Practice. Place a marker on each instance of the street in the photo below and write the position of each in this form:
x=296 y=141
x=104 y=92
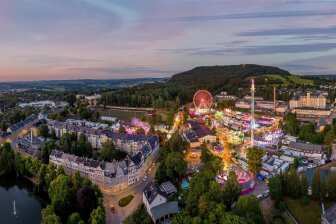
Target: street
x=113 y=198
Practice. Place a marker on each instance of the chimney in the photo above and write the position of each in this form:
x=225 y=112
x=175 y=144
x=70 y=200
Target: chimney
x=274 y=98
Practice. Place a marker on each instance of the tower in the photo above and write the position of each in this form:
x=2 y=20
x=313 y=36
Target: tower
x=252 y=112
x=274 y=97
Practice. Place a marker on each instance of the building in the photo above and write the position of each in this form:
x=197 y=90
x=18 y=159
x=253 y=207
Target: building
x=108 y=118
x=281 y=107
x=223 y=96
x=308 y=100
x=29 y=145
x=39 y=104
x=92 y=100
x=130 y=143
x=168 y=188
x=157 y=205
x=31 y=120
x=310 y=151
x=202 y=132
x=192 y=139
x=311 y=112
x=243 y=104
x=114 y=176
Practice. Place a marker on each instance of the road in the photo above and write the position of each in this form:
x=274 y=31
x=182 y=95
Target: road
x=113 y=198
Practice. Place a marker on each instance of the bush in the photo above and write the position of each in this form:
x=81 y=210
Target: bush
x=282 y=206
x=125 y=200
x=304 y=200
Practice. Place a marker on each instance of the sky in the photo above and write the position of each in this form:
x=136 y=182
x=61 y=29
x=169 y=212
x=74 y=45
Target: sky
x=112 y=39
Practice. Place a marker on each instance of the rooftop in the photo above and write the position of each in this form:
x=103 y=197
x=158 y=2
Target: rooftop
x=165 y=209
x=306 y=146
x=151 y=191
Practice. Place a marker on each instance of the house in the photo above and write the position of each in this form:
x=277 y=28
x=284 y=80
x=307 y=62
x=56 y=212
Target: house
x=203 y=133
x=157 y=205
x=153 y=196
x=168 y=187
x=311 y=151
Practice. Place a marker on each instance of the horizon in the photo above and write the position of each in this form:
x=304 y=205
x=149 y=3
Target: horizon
x=105 y=40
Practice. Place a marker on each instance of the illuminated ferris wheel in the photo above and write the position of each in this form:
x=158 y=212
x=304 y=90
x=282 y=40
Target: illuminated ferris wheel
x=202 y=100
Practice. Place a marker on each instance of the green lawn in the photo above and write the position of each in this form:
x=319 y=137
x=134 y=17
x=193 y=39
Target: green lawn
x=309 y=214
x=125 y=200
x=298 y=80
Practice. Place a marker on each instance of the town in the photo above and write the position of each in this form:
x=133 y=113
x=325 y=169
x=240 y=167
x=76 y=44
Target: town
x=150 y=167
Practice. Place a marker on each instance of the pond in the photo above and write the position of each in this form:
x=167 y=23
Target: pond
x=18 y=203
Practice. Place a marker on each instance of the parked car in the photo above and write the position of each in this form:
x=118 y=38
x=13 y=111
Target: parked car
x=144 y=178
x=304 y=161
x=310 y=166
x=266 y=193
x=112 y=209
x=314 y=165
x=259 y=196
x=299 y=169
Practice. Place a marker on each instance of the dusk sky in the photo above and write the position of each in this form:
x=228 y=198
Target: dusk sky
x=108 y=39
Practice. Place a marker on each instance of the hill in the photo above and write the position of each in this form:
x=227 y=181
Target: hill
x=179 y=89
x=217 y=76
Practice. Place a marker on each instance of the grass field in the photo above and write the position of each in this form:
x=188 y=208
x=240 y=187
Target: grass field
x=126 y=200
x=309 y=214
x=122 y=115
x=292 y=79
x=298 y=80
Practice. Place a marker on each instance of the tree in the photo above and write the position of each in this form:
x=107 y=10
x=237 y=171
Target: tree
x=316 y=184
x=122 y=129
x=60 y=195
x=232 y=190
x=323 y=186
x=75 y=218
x=331 y=186
x=175 y=166
x=97 y=216
x=254 y=156
x=296 y=162
x=291 y=124
x=43 y=130
x=86 y=201
x=248 y=208
x=304 y=184
x=139 y=216
x=109 y=152
x=7 y=163
x=275 y=187
x=49 y=216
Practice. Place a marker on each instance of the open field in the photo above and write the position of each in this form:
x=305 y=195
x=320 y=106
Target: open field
x=298 y=80
x=292 y=79
x=308 y=214
x=122 y=115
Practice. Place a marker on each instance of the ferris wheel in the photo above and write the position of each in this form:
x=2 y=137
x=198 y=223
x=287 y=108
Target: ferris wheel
x=202 y=100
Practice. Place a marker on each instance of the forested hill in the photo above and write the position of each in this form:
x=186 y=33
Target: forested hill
x=179 y=89
x=213 y=76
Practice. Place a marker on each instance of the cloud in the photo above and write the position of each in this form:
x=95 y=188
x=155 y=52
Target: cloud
x=304 y=31
x=128 y=70
x=255 y=15
x=53 y=59
x=256 y=50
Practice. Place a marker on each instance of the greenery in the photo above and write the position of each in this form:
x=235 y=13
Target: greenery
x=181 y=87
x=275 y=188
x=248 y=207
x=253 y=156
x=109 y=152
x=139 y=216
x=125 y=200
x=291 y=124
x=67 y=194
x=172 y=165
